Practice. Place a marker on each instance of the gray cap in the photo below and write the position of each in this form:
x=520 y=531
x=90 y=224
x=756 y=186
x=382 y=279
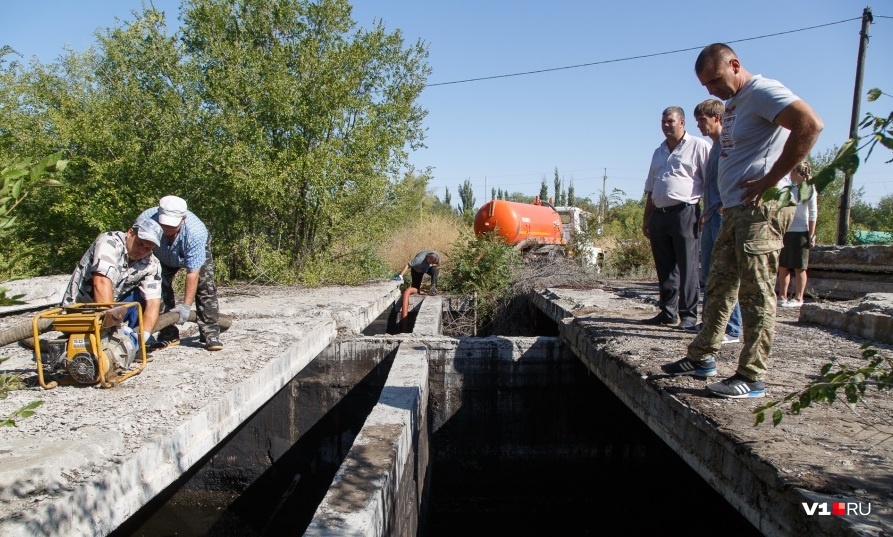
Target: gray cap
x=149 y=230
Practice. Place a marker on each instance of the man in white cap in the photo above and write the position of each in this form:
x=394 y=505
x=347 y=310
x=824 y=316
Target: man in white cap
x=186 y=243
x=119 y=267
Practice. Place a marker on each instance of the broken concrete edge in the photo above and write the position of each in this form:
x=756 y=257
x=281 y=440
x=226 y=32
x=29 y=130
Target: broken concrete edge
x=869 y=318
x=862 y=258
x=357 y=319
x=748 y=482
x=155 y=466
x=388 y=455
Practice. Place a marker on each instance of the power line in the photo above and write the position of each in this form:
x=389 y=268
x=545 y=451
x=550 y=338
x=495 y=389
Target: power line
x=630 y=58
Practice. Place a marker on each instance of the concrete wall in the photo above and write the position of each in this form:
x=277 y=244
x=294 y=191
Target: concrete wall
x=733 y=468
x=294 y=410
x=848 y=272
x=379 y=488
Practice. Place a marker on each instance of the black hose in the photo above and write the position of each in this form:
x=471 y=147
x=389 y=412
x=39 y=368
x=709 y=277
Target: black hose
x=24 y=332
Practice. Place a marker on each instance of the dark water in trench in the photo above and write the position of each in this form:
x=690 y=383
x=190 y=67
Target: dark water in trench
x=602 y=472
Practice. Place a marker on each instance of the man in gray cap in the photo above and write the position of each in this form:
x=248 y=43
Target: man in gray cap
x=119 y=267
x=186 y=243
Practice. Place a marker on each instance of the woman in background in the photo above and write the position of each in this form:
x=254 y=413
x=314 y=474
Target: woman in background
x=798 y=239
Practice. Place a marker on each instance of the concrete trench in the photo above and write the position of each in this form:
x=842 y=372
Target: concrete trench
x=415 y=393
x=501 y=410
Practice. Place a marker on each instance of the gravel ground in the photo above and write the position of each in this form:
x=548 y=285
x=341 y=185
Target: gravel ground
x=829 y=449
x=845 y=453
x=81 y=431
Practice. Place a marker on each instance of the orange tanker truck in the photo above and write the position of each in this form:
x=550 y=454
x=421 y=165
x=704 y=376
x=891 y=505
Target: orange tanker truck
x=537 y=228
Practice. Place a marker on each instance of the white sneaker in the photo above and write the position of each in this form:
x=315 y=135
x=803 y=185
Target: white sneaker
x=791 y=303
x=783 y=303
x=726 y=338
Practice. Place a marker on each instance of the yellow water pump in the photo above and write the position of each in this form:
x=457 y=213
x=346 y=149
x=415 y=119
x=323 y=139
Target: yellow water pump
x=97 y=346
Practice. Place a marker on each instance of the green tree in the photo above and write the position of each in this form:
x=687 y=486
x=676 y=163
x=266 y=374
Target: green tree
x=280 y=122
x=519 y=197
x=571 y=198
x=326 y=155
x=483 y=266
x=623 y=220
x=466 y=197
x=557 y=181
x=884 y=214
x=447 y=199
x=410 y=198
x=18 y=179
x=544 y=190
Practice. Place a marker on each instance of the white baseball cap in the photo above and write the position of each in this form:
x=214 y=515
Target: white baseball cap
x=171 y=210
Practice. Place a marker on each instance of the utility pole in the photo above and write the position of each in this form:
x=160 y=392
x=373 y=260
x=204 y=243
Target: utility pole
x=843 y=214
x=604 y=203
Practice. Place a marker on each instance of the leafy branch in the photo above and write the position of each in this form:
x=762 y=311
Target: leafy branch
x=17 y=179
x=847 y=158
x=8 y=383
x=878 y=371
x=25 y=412
x=854 y=381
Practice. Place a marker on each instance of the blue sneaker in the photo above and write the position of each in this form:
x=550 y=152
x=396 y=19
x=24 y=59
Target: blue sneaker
x=738 y=387
x=686 y=366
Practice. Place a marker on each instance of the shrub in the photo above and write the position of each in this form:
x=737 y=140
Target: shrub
x=630 y=258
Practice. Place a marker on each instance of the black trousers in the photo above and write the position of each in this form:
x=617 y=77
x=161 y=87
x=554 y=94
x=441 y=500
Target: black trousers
x=674 y=244
x=417 y=277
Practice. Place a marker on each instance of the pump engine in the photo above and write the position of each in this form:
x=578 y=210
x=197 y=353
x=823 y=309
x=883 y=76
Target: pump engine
x=96 y=346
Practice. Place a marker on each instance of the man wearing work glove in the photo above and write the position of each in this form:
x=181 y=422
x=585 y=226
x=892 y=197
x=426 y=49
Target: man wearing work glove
x=186 y=244
x=119 y=267
x=425 y=262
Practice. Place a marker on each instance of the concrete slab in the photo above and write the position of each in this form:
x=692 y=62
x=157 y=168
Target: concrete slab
x=90 y=457
x=766 y=473
x=378 y=489
x=849 y=272
x=38 y=293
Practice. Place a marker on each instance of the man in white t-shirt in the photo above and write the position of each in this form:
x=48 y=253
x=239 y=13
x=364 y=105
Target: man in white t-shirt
x=767 y=130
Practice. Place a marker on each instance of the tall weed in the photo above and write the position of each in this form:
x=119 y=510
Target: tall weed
x=430 y=232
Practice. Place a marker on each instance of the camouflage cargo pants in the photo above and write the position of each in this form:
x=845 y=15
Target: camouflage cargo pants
x=743 y=269
x=207 y=309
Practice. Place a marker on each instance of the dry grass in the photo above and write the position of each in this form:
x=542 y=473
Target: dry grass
x=431 y=232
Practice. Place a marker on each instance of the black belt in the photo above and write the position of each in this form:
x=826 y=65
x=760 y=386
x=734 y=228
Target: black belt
x=672 y=208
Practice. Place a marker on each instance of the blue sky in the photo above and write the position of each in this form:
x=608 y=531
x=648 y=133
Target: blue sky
x=588 y=122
